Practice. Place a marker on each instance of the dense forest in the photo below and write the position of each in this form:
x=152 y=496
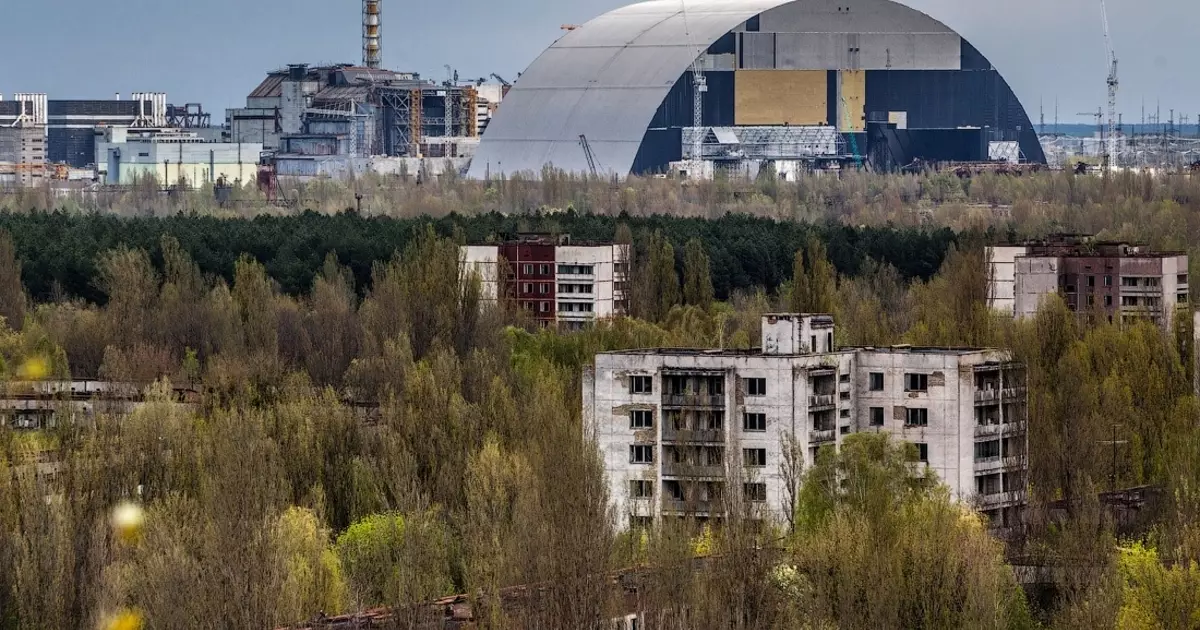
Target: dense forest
x=369 y=434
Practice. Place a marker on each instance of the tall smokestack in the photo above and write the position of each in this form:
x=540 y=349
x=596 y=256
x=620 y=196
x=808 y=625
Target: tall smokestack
x=373 y=33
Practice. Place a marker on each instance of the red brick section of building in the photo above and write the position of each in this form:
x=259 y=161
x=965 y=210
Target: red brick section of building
x=532 y=278
x=1101 y=276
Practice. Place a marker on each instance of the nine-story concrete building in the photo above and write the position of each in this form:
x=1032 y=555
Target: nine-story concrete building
x=694 y=432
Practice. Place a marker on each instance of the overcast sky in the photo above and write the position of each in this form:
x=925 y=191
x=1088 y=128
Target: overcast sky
x=215 y=51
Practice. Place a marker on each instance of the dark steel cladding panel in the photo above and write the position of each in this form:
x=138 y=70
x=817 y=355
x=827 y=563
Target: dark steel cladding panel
x=659 y=148
x=94 y=108
x=972 y=59
x=9 y=108
x=676 y=109
x=948 y=99
x=75 y=147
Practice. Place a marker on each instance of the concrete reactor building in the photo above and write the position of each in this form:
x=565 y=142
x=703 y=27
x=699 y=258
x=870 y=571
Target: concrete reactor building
x=738 y=84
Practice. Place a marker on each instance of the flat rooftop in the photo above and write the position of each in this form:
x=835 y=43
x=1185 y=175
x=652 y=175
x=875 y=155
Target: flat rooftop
x=757 y=352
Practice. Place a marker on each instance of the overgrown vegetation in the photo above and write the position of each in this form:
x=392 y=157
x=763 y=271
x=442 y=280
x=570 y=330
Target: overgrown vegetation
x=369 y=434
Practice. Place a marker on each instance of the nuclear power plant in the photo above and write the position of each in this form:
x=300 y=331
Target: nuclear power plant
x=683 y=88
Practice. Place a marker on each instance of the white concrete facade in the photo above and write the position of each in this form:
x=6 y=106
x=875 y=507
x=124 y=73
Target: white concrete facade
x=1002 y=277
x=673 y=426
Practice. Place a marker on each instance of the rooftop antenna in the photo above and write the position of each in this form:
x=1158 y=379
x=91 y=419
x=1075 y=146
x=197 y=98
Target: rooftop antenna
x=372 y=14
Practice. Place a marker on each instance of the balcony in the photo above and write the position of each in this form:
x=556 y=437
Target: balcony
x=998 y=464
x=822 y=436
x=703 y=401
x=672 y=506
x=1001 y=499
x=993 y=396
x=986 y=396
x=823 y=401
x=694 y=471
x=993 y=430
x=690 y=436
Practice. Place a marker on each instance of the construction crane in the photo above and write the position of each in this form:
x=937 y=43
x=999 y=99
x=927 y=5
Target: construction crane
x=699 y=87
x=501 y=79
x=1110 y=58
x=587 y=152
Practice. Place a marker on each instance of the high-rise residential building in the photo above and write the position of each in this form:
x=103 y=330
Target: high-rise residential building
x=1119 y=280
x=558 y=282
x=694 y=432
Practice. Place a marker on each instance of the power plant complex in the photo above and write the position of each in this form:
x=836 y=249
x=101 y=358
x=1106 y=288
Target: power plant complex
x=711 y=83
x=687 y=88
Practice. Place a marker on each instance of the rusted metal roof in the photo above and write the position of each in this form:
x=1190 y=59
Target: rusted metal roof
x=271 y=87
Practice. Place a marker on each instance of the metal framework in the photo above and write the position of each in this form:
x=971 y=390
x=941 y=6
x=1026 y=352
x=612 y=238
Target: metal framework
x=765 y=143
x=190 y=116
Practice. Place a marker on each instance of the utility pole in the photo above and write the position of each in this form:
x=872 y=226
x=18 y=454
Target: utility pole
x=1114 y=442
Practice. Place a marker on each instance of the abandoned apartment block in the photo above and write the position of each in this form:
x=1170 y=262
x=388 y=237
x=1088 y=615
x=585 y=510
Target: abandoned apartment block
x=559 y=283
x=694 y=432
x=1122 y=281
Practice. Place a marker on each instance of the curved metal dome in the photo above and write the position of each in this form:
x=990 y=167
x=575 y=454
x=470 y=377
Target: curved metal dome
x=607 y=79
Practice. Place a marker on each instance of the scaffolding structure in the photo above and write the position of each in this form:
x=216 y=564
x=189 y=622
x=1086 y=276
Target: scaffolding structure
x=804 y=143
x=410 y=115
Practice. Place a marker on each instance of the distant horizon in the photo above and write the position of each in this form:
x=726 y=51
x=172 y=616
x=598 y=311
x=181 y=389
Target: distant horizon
x=196 y=52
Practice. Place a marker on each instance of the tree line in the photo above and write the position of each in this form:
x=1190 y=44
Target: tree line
x=387 y=442
x=60 y=250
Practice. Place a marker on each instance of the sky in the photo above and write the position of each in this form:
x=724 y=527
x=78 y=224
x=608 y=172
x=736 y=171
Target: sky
x=216 y=51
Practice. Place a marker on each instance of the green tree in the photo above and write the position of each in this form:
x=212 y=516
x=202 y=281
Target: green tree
x=814 y=280
x=392 y=559
x=697 y=275
x=882 y=546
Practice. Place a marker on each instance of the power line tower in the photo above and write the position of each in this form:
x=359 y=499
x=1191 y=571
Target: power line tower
x=1110 y=150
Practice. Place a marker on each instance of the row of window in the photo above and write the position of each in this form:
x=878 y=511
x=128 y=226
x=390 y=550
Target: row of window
x=543 y=269
x=569 y=289
x=755 y=492
x=751 y=457
x=757 y=422
x=572 y=307
x=913 y=382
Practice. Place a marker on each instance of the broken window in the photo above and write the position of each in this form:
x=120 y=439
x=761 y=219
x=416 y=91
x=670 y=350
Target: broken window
x=641 y=454
x=640 y=489
x=916 y=382
x=641 y=419
x=754 y=422
x=756 y=492
x=643 y=384
x=917 y=417
x=756 y=387
x=876 y=381
x=755 y=457
x=876 y=416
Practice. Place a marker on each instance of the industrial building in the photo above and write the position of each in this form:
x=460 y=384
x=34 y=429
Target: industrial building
x=737 y=84
x=693 y=432
x=1123 y=281
x=124 y=155
x=570 y=285
x=326 y=120
x=23 y=141
x=70 y=125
